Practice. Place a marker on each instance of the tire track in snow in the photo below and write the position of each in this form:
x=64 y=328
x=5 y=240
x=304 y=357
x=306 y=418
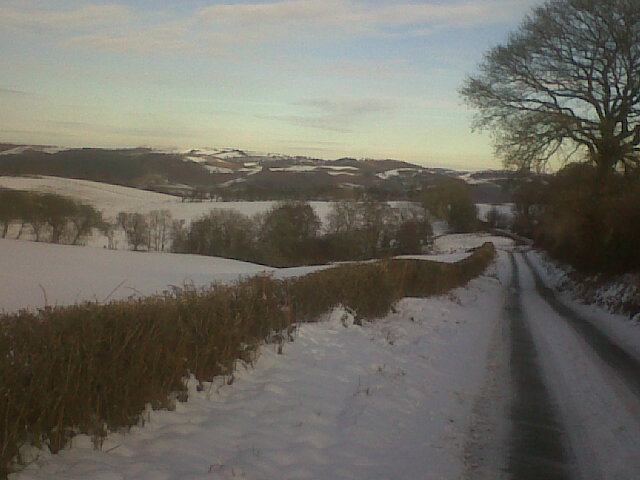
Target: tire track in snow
x=537 y=445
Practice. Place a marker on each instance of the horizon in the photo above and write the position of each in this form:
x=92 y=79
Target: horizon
x=338 y=78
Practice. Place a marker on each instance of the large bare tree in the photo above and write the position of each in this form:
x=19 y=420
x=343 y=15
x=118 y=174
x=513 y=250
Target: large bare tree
x=566 y=83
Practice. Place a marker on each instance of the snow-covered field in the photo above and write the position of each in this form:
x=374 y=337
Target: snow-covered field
x=35 y=274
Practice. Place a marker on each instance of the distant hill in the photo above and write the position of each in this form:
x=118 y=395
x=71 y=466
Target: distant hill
x=237 y=174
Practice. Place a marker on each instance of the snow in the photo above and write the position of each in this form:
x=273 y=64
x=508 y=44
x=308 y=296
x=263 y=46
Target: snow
x=39 y=148
x=37 y=274
x=329 y=169
x=109 y=198
x=30 y=273
x=444 y=257
x=195 y=159
x=251 y=170
x=391 y=399
x=468 y=177
x=210 y=168
x=112 y=199
x=295 y=168
x=340 y=167
x=223 y=153
x=466 y=241
x=214 y=169
x=394 y=173
x=505 y=209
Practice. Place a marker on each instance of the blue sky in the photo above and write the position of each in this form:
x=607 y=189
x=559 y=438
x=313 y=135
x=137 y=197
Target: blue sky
x=325 y=78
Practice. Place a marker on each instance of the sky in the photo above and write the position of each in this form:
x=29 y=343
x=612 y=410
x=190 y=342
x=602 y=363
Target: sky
x=321 y=78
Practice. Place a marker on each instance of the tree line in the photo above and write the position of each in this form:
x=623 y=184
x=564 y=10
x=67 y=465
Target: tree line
x=290 y=233
x=49 y=217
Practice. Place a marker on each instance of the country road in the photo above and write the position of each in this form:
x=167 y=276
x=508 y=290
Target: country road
x=575 y=392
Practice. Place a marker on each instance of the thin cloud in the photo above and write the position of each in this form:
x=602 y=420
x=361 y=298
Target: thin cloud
x=10 y=93
x=224 y=29
x=164 y=39
x=326 y=123
x=13 y=93
x=89 y=16
x=337 y=115
x=350 y=108
x=416 y=18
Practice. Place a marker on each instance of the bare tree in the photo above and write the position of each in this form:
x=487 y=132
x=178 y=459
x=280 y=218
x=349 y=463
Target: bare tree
x=566 y=83
x=159 y=229
x=84 y=219
x=136 y=228
x=344 y=217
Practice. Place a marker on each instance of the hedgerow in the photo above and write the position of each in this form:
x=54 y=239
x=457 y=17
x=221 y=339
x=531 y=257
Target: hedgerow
x=95 y=368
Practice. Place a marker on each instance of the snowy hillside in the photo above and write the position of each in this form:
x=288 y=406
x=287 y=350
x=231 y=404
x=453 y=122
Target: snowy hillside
x=112 y=199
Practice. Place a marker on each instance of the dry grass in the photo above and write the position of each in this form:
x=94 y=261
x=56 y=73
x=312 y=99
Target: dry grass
x=93 y=368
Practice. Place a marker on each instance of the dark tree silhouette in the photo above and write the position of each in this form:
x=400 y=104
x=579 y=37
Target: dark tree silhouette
x=566 y=83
